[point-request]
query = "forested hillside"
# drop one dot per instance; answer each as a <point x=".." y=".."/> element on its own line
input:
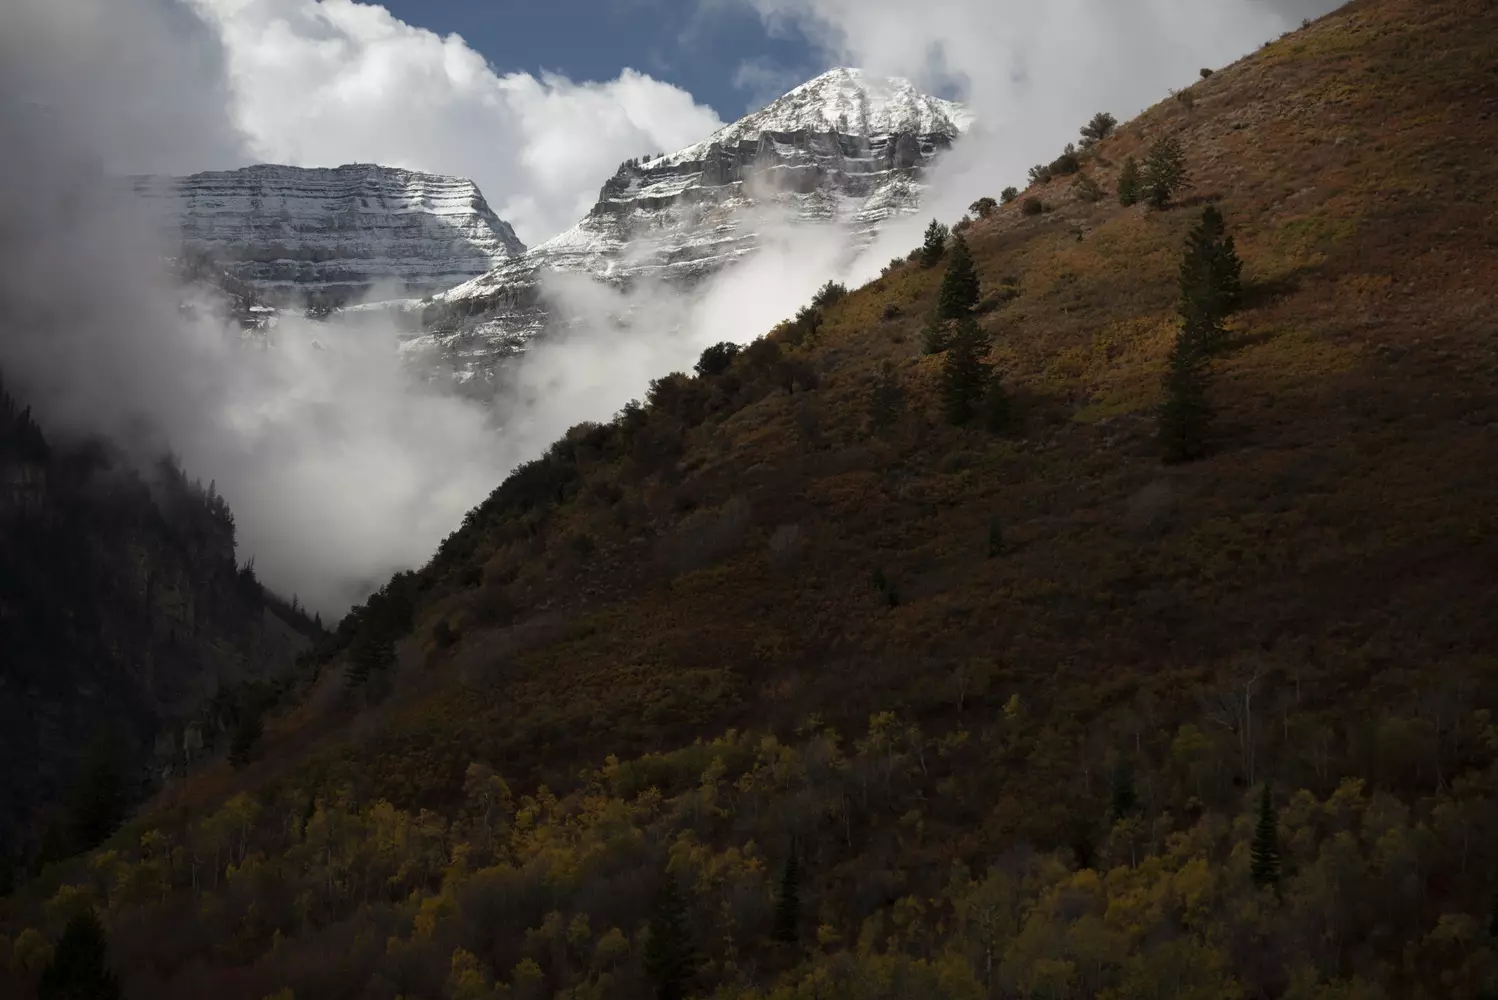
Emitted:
<point x="132" y="638"/>
<point x="1098" y="604"/>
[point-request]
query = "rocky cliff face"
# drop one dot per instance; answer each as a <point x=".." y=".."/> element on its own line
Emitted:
<point x="846" y="149"/>
<point x="300" y="235"/>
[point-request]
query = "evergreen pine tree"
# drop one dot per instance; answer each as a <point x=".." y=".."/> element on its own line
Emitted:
<point x="79" y="969"/>
<point x="1210" y="283"/>
<point x="965" y="377"/>
<point x="97" y="800"/>
<point x="1128" y="182"/>
<point x="370" y="656"/>
<point x="1228" y="272"/>
<point x="1186" y="417"/>
<point x="1164" y="172"/>
<point x="887" y="400"/>
<point x="935" y="336"/>
<point x="1008" y="194"/>
<point x="247" y="733"/>
<point x="1210" y="280"/>
<point x="935" y="244"/>
<point x="1123" y="795"/>
<point x="1264" y="863"/>
<point x="995" y="537"/>
<point x="994" y="408"/>
<point x="788" y="904"/>
<point x="52" y="849"/>
<point x="886" y="588"/>
<point x="669" y="959"/>
<point x="959" y="286"/>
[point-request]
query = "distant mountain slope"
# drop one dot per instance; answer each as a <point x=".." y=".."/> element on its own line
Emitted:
<point x="122" y="608"/>
<point x="846" y="149"/>
<point x="328" y="235"/>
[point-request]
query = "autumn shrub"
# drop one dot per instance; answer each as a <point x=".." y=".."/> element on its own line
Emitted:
<point x="761" y="355"/>
<point x="443" y="633"/>
<point x="1129" y="182"/>
<point x="716" y="359"/>
<point x="706" y="537"/>
<point x="1067" y="163"/>
<point x="1086" y="188"/>
<point x="1098" y="128"/>
<point x="786" y="544"/>
<point x="829" y="294"/>
<point x="808" y="421"/>
<point x="494" y="605"/>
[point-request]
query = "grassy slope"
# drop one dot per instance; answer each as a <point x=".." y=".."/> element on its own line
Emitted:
<point x="1340" y="534"/>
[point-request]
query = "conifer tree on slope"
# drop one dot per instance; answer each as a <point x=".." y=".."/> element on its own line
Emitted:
<point x="788" y="904"/>
<point x="959" y="286"/>
<point x="1123" y="795"/>
<point x="1164" y="172"/>
<point x="935" y="335"/>
<point x="965" y="378"/>
<point x="935" y="244"/>
<point x="1264" y="864"/>
<point x="1128" y="182"/>
<point x="1211" y="273"/>
<point x="79" y="969"/>
<point x="669" y="958"/>
<point x="1208" y="282"/>
<point x="1185" y="417"/>
<point x="886" y="400"/>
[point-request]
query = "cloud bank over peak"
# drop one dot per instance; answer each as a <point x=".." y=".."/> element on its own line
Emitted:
<point x="325" y="83"/>
<point x="1017" y="57"/>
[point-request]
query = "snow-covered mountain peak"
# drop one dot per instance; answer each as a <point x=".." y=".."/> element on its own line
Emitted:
<point x="842" y="152"/>
<point x="845" y="100"/>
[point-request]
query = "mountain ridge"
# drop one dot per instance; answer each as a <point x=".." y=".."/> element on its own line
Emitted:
<point x="329" y="235"/>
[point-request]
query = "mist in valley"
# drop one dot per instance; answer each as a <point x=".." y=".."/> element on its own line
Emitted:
<point x="340" y="465"/>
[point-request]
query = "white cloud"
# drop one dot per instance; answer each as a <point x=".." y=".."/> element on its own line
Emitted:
<point x="1022" y="60"/>
<point x="143" y="81"/>
<point x="319" y="84"/>
<point x="763" y="80"/>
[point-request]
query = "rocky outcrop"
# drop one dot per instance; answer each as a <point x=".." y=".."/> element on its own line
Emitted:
<point x="312" y="236"/>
